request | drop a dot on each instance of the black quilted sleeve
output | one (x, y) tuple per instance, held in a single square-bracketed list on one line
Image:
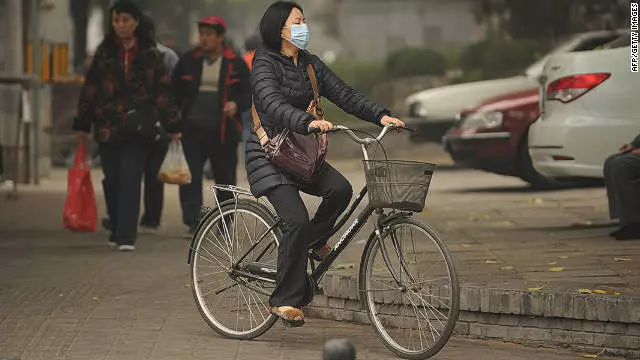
[(346, 97), (269, 99)]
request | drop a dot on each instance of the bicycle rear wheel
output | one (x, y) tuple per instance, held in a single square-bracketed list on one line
[(235, 306), (409, 285)]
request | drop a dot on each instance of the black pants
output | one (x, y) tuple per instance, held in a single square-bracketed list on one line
[(198, 147), (335, 190), (622, 178), (153, 187), (123, 165)]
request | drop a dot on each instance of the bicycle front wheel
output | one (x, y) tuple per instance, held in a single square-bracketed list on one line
[(235, 306), (409, 287)]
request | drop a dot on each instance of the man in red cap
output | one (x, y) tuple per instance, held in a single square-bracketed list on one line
[(212, 88)]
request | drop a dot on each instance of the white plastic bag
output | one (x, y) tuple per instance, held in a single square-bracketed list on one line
[(174, 169)]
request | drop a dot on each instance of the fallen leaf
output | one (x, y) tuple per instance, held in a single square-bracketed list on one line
[(562, 257), (507, 268), (343, 266), (557, 269), (585, 291), (594, 356), (465, 245), (538, 288), (606, 292), (536, 201), (621, 259), (490, 262), (502, 223), (552, 263), (95, 298)]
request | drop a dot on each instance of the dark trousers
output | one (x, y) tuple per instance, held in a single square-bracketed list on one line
[(198, 147), (122, 166), (298, 232), (153, 187), (622, 178)]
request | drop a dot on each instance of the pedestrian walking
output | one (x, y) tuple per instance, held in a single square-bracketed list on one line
[(211, 85), (284, 80), (153, 194), (126, 100)]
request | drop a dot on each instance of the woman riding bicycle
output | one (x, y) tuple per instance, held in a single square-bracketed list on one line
[(282, 90)]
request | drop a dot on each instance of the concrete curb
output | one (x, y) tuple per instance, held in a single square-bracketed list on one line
[(583, 322)]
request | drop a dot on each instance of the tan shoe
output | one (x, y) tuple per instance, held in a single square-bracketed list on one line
[(290, 316)]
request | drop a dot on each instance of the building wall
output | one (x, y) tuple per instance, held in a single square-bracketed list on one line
[(374, 28)]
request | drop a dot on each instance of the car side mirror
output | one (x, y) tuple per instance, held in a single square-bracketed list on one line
[(542, 79)]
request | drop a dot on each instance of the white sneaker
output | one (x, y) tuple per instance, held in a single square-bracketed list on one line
[(126, 248), (112, 244)]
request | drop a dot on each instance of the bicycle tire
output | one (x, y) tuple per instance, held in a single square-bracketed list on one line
[(227, 208), (370, 250)]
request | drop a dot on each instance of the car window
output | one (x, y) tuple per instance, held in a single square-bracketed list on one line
[(591, 44), (622, 41), (569, 45)]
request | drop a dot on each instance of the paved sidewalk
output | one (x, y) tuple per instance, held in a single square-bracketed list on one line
[(66, 295)]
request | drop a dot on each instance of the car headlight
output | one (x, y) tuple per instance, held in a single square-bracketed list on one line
[(483, 120), (416, 109)]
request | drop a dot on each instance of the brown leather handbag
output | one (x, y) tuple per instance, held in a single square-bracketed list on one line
[(299, 156)]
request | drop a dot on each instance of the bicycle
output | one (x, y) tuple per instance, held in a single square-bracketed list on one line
[(397, 186)]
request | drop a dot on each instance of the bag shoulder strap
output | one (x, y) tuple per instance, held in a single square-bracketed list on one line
[(316, 93), (257, 126)]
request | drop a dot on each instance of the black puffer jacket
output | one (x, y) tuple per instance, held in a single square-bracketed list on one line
[(282, 92)]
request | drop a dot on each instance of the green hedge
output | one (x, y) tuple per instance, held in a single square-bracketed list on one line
[(416, 62), (499, 58)]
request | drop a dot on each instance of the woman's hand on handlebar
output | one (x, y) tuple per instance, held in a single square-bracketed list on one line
[(388, 120), (323, 125)]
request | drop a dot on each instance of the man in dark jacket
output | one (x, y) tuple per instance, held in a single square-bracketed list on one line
[(622, 177), (212, 88)]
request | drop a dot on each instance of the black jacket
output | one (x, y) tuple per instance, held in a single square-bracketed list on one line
[(234, 86), (282, 92)]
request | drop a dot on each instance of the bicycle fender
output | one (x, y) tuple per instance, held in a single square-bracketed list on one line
[(395, 217), (389, 220)]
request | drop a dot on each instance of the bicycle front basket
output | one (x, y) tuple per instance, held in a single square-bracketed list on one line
[(398, 184)]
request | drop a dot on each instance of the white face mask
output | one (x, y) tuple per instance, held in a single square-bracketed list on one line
[(299, 36)]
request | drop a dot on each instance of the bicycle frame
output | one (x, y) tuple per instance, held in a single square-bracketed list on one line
[(264, 273)]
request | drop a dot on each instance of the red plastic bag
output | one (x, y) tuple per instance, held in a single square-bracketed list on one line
[(80, 213)]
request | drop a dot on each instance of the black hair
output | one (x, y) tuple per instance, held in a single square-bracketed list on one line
[(273, 21), (143, 31), (150, 26), (217, 28)]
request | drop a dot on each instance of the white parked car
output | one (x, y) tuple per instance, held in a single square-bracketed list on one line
[(589, 107), (433, 111)]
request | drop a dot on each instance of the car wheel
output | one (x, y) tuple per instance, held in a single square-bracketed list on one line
[(529, 174)]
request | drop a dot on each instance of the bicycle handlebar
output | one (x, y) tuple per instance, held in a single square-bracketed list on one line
[(363, 141)]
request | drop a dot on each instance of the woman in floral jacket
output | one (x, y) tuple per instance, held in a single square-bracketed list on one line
[(125, 99)]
